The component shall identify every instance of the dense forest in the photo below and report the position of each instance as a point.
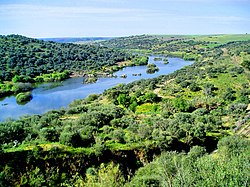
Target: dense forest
(189, 128)
(31, 57)
(25, 60)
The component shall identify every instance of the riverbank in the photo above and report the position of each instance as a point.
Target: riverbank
(45, 97)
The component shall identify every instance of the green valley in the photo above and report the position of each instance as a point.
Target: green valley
(188, 128)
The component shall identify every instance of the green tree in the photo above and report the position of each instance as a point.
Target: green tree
(109, 175)
(123, 100)
(181, 104)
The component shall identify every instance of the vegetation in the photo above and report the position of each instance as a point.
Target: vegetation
(27, 60)
(197, 168)
(152, 68)
(157, 59)
(90, 79)
(189, 128)
(165, 61)
(23, 97)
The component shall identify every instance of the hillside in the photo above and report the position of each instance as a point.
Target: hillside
(27, 60)
(189, 128)
(153, 42)
(31, 57)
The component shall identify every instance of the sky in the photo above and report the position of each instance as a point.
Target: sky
(112, 18)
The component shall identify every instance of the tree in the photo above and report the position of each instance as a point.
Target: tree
(151, 97)
(246, 63)
(194, 87)
(109, 175)
(133, 106)
(71, 138)
(229, 95)
(123, 99)
(208, 89)
(181, 104)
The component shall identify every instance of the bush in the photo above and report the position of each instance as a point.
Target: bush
(21, 87)
(109, 175)
(237, 108)
(49, 134)
(71, 138)
(237, 70)
(194, 87)
(91, 97)
(152, 68)
(181, 104)
(151, 97)
(185, 84)
(23, 97)
(124, 100)
(246, 63)
(233, 145)
(229, 95)
(196, 152)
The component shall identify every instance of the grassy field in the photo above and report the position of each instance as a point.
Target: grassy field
(220, 38)
(224, 38)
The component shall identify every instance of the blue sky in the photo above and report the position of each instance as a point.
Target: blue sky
(81, 18)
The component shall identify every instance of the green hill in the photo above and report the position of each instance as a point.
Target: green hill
(31, 57)
(28, 60)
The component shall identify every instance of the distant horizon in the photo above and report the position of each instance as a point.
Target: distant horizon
(66, 37)
(146, 34)
(112, 18)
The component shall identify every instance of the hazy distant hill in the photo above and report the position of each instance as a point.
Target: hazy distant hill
(76, 40)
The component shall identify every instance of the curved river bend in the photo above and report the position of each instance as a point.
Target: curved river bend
(45, 99)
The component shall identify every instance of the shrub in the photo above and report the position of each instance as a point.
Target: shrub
(194, 87)
(237, 108)
(23, 97)
(181, 104)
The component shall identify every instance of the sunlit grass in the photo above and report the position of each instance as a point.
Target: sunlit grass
(225, 38)
(147, 108)
(224, 81)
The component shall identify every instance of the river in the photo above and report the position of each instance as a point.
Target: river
(45, 99)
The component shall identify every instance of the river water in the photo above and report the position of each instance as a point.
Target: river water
(45, 99)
